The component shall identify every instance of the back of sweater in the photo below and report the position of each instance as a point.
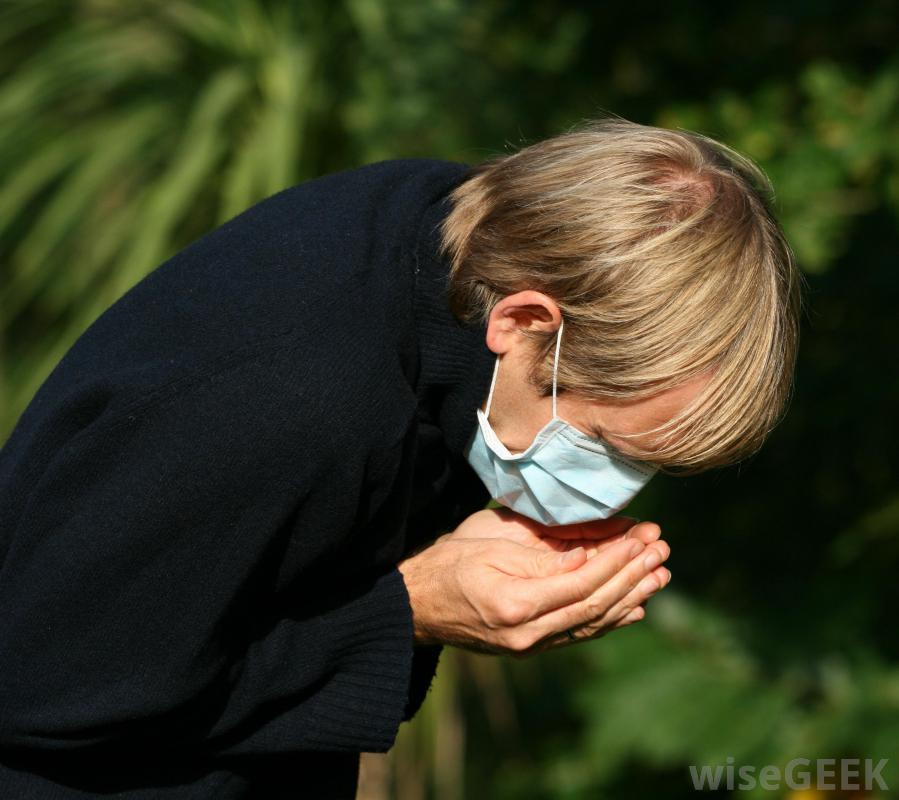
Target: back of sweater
(202, 507)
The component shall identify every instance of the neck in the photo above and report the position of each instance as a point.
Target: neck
(456, 364)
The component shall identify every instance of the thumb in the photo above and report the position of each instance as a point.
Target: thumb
(533, 562)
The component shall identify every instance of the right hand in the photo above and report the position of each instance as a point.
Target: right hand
(495, 595)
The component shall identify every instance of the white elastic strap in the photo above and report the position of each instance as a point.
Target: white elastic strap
(492, 384)
(556, 364)
(555, 370)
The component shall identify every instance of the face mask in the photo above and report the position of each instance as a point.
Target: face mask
(563, 477)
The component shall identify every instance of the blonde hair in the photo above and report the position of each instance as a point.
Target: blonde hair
(663, 254)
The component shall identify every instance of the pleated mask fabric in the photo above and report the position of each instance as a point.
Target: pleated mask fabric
(563, 477)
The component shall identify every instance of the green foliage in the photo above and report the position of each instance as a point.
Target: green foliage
(835, 159)
(133, 128)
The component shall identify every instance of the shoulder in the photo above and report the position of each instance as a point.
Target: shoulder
(302, 301)
(391, 190)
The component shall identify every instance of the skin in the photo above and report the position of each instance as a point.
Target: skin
(499, 583)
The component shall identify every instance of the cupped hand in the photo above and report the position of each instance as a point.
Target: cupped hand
(594, 536)
(490, 593)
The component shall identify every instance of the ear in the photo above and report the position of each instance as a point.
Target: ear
(527, 310)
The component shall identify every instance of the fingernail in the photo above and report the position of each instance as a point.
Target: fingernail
(571, 555)
(592, 552)
(648, 585)
(652, 560)
(636, 547)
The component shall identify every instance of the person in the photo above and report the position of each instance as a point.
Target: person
(246, 511)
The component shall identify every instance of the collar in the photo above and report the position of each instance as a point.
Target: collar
(456, 366)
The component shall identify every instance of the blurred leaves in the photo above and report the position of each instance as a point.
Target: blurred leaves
(828, 142)
(132, 129)
(686, 689)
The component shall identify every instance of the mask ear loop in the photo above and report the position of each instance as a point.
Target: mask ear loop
(556, 364)
(492, 384)
(555, 370)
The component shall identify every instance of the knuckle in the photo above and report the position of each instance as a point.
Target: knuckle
(511, 611)
(591, 631)
(582, 587)
(545, 563)
(492, 614)
(517, 642)
(635, 615)
(629, 550)
(616, 611)
(596, 607)
(639, 580)
(531, 638)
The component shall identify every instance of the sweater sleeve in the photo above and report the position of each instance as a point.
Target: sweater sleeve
(424, 667)
(338, 681)
(137, 613)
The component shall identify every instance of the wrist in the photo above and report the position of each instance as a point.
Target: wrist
(416, 588)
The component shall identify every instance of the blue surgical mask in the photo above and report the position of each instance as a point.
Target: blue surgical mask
(563, 477)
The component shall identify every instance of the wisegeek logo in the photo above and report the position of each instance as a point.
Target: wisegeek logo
(824, 774)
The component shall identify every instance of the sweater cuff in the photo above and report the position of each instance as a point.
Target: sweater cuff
(424, 666)
(368, 693)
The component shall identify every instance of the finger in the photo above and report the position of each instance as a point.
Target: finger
(592, 530)
(520, 561)
(638, 589)
(594, 607)
(634, 615)
(646, 532)
(654, 582)
(544, 594)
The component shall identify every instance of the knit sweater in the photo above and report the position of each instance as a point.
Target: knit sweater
(203, 506)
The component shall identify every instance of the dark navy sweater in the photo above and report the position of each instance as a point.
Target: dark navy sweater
(202, 508)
